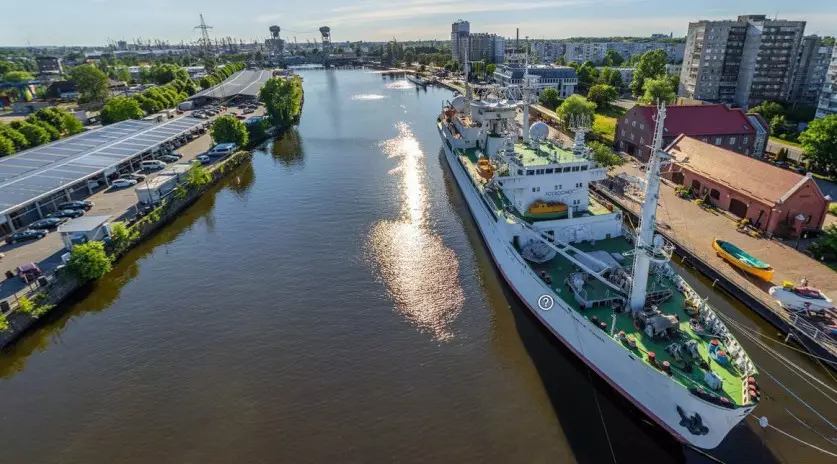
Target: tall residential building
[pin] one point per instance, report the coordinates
(595, 51)
(742, 62)
(488, 47)
(811, 69)
(547, 51)
(828, 95)
(460, 32)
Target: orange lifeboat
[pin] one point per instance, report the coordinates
(485, 168)
(540, 209)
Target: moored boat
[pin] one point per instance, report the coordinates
(801, 298)
(743, 260)
(417, 80)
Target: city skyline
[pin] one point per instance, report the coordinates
(95, 22)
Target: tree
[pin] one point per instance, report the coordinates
(634, 59)
(550, 98)
(27, 306)
(604, 156)
(575, 107)
(35, 135)
(121, 109)
(825, 248)
(782, 155)
(72, 125)
(122, 74)
(197, 177)
(490, 69)
(820, 143)
(587, 75)
(52, 132)
(228, 129)
(658, 89)
(6, 146)
(8, 66)
(612, 58)
(18, 76)
(778, 125)
(121, 236)
(282, 99)
(165, 73)
(612, 78)
(12, 134)
(602, 95)
(561, 61)
(91, 83)
(89, 261)
(768, 110)
(652, 65)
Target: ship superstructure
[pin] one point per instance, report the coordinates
(605, 289)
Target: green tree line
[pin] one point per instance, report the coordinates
(44, 126)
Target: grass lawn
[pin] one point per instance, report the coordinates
(786, 142)
(605, 126)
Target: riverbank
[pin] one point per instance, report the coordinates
(62, 285)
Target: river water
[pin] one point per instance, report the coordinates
(332, 302)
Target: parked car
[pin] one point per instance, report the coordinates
(29, 272)
(152, 165)
(85, 205)
(248, 111)
(169, 158)
(48, 223)
(240, 117)
(122, 183)
(203, 159)
(176, 155)
(24, 235)
(67, 213)
(133, 176)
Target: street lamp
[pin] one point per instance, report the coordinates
(800, 218)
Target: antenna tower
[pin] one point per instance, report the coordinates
(205, 41)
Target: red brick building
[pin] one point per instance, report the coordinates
(769, 196)
(720, 125)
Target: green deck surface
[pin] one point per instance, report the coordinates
(559, 269)
(547, 153)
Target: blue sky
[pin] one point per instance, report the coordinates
(90, 22)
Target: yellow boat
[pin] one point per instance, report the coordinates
(540, 209)
(742, 260)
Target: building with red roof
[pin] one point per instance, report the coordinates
(720, 125)
(769, 196)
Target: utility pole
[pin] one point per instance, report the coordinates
(206, 42)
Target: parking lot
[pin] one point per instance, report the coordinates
(117, 203)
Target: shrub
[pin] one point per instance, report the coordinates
(832, 208)
(89, 261)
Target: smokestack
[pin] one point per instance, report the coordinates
(516, 40)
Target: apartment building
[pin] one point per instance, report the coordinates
(595, 51)
(460, 31)
(828, 96)
(488, 47)
(547, 51)
(742, 62)
(811, 69)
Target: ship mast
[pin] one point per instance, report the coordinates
(526, 94)
(466, 68)
(646, 250)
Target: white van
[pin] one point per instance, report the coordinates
(222, 149)
(152, 165)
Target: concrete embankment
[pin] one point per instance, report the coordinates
(64, 285)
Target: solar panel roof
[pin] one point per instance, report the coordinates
(245, 82)
(32, 174)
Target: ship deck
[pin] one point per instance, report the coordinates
(560, 268)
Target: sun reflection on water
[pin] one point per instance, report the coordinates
(420, 272)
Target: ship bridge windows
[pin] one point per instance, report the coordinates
(567, 169)
(536, 189)
(530, 172)
(520, 172)
(549, 171)
(576, 168)
(558, 187)
(584, 168)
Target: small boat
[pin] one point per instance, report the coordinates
(417, 80)
(740, 259)
(802, 298)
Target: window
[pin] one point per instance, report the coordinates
(567, 169)
(584, 168)
(536, 189)
(578, 185)
(732, 140)
(576, 168)
(641, 126)
(642, 140)
(623, 132)
(745, 140)
(718, 140)
(704, 139)
(538, 171)
(530, 172)
(632, 135)
(520, 172)
(558, 187)
(549, 171)
(633, 123)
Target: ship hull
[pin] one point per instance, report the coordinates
(661, 399)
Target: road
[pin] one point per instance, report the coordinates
(244, 82)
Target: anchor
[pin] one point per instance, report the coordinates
(694, 424)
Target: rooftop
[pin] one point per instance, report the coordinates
(245, 82)
(83, 224)
(38, 172)
(700, 120)
(756, 178)
(545, 154)
(552, 72)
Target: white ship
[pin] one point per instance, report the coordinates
(606, 291)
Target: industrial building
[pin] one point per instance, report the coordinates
(34, 182)
(742, 62)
